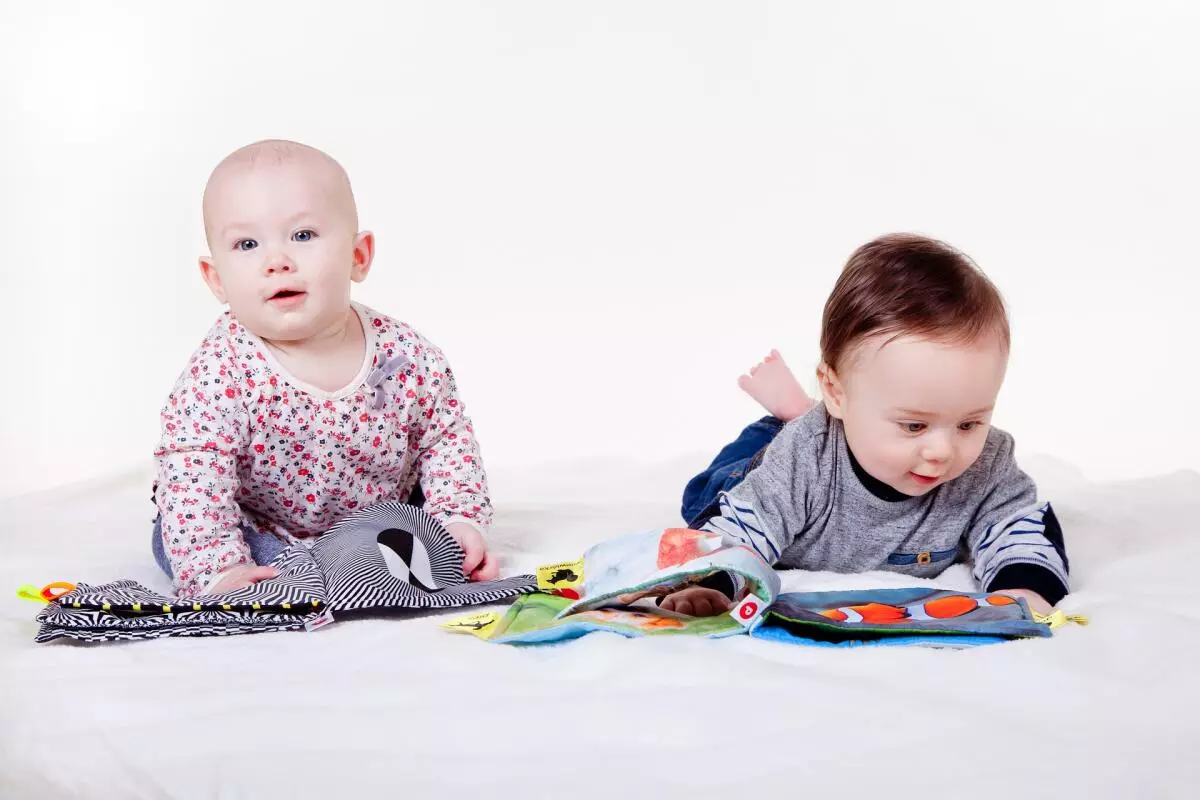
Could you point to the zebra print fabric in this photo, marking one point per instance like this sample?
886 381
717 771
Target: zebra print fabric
298 589
393 555
388 556
97 625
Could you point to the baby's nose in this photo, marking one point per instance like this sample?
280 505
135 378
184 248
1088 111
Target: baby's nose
279 263
936 449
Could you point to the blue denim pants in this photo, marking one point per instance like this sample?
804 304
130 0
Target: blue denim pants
727 470
264 547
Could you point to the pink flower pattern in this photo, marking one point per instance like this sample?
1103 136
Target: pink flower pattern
240 441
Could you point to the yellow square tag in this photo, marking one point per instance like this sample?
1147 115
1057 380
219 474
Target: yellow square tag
563 575
480 625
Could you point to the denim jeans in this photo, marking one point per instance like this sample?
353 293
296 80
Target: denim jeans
727 470
264 547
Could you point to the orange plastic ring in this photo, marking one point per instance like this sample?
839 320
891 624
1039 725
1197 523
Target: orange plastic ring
53 591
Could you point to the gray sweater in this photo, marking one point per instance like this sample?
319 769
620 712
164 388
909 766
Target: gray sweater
808 505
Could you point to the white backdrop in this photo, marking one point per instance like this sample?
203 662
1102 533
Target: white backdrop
641 198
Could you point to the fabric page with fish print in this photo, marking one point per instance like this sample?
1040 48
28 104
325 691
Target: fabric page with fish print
538 619
640 568
615 588
889 617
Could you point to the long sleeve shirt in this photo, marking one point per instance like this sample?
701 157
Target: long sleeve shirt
243 440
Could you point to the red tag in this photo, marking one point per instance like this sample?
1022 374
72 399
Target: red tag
319 622
748 610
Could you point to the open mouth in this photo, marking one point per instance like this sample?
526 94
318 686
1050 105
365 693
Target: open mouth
924 479
286 294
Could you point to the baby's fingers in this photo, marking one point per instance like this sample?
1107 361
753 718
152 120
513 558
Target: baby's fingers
680 605
260 574
711 603
488 569
697 602
474 554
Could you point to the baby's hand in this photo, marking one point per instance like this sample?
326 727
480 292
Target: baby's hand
697 601
479 565
1036 601
240 577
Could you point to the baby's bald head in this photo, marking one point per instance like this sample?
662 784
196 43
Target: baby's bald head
315 167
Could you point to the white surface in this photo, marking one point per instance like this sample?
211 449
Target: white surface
401 708
601 186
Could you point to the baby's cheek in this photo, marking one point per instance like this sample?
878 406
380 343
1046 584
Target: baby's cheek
898 454
968 455
875 442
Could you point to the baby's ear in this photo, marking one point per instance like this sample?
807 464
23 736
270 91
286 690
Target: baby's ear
208 271
364 254
831 390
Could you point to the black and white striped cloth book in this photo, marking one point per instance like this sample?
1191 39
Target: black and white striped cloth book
389 556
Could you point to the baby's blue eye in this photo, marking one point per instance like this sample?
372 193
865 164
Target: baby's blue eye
245 244
913 427
968 426
304 236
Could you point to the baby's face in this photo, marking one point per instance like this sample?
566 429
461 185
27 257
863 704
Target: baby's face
284 246
917 412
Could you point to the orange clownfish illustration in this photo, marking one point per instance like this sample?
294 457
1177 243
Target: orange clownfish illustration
946 607
869 612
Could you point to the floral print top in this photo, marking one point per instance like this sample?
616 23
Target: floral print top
243 440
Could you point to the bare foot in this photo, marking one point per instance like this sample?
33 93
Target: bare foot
774 386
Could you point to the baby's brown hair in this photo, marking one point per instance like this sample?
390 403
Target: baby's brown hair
907 285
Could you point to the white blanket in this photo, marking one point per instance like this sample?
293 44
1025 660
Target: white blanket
398 706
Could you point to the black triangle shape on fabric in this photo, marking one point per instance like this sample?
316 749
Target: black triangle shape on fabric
401 543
